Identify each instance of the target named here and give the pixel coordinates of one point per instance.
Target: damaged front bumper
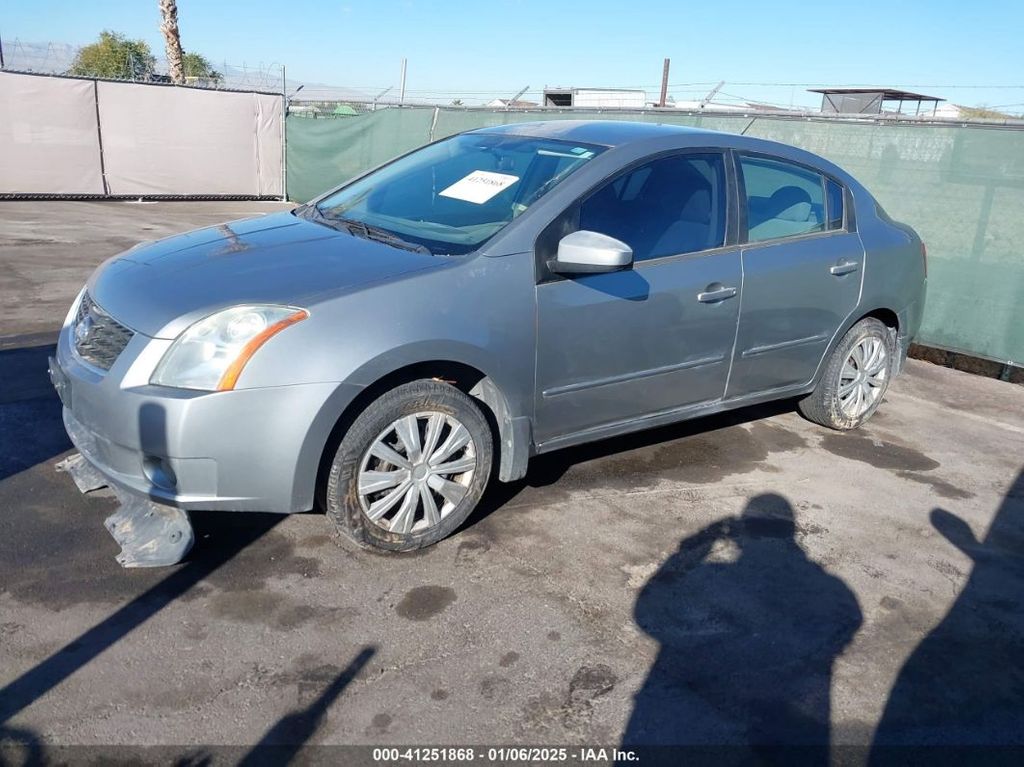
(149, 534)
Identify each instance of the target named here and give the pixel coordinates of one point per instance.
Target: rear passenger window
(834, 196)
(783, 200)
(670, 206)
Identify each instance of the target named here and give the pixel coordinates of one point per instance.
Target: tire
(409, 413)
(827, 404)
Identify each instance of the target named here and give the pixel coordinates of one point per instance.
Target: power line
(875, 85)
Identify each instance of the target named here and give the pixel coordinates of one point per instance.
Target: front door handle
(844, 268)
(718, 294)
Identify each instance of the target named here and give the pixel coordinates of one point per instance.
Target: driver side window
(670, 206)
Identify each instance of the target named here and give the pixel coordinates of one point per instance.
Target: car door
(616, 346)
(802, 268)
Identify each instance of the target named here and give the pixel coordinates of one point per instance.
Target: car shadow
(548, 468)
(31, 429)
(749, 629)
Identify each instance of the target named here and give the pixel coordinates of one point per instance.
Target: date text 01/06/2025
(503, 754)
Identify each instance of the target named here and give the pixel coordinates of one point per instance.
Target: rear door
(802, 269)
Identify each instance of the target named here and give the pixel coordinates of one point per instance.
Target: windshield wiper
(310, 211)
(378, 234)
(367, 232)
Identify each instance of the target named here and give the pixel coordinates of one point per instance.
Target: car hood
(159, 288)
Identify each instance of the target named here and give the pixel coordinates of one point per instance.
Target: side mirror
(585, 252)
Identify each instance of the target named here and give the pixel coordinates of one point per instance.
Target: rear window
(836, 204)
(783, 199)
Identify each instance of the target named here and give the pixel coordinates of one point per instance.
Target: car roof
(638, 136)
(608, 133)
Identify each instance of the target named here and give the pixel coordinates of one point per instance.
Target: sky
(967, 52)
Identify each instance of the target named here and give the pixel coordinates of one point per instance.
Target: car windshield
(452, 196)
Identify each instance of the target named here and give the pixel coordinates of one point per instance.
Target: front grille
(98, 337)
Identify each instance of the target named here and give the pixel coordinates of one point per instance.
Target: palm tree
(172, 40)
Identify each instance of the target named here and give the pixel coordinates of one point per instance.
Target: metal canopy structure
(871, 100)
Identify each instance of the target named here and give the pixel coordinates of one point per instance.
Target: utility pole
(401, 95)
(664, 84)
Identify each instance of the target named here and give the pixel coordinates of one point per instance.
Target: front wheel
(855, 379)
(411, 468)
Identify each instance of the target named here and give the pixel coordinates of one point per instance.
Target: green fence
(961, 187)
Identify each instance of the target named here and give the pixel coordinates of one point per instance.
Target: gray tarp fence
(49, 143)
(960, 186)
(70, 136)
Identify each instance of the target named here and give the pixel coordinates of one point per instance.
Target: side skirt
(665, 417)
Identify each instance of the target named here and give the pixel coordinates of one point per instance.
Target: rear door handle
(719, 294)
(844, 268)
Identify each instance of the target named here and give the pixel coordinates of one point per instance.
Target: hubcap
(416, 472)
(864, 377)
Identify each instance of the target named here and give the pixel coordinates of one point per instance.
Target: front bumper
(241, 450)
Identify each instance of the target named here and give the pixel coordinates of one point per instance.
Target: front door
(802, 271)
(617, 346)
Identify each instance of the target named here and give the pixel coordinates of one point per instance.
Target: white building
(609, 98)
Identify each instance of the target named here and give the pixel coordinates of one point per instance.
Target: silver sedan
(384, 350)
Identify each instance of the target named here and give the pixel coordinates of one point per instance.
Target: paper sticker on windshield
(479, 186)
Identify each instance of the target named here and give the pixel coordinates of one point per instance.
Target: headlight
(211, 354)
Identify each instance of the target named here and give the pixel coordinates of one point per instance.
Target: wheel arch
(886, 316)
(511, 434)
(883, 314)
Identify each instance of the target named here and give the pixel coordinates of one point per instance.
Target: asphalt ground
(749, 578)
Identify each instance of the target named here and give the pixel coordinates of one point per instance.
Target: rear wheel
(855, 379)
(411, 468)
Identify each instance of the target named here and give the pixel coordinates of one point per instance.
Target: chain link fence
(960, 185)
(58, 59)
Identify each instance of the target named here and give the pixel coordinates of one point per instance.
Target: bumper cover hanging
(149, 534)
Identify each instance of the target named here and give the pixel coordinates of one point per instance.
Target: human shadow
(963, 686)
(282, 742)
(749, 629)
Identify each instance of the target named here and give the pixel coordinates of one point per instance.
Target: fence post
(284, 135)
(433, 124)
(99, 137)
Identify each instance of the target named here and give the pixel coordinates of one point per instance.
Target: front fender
(503, 389)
